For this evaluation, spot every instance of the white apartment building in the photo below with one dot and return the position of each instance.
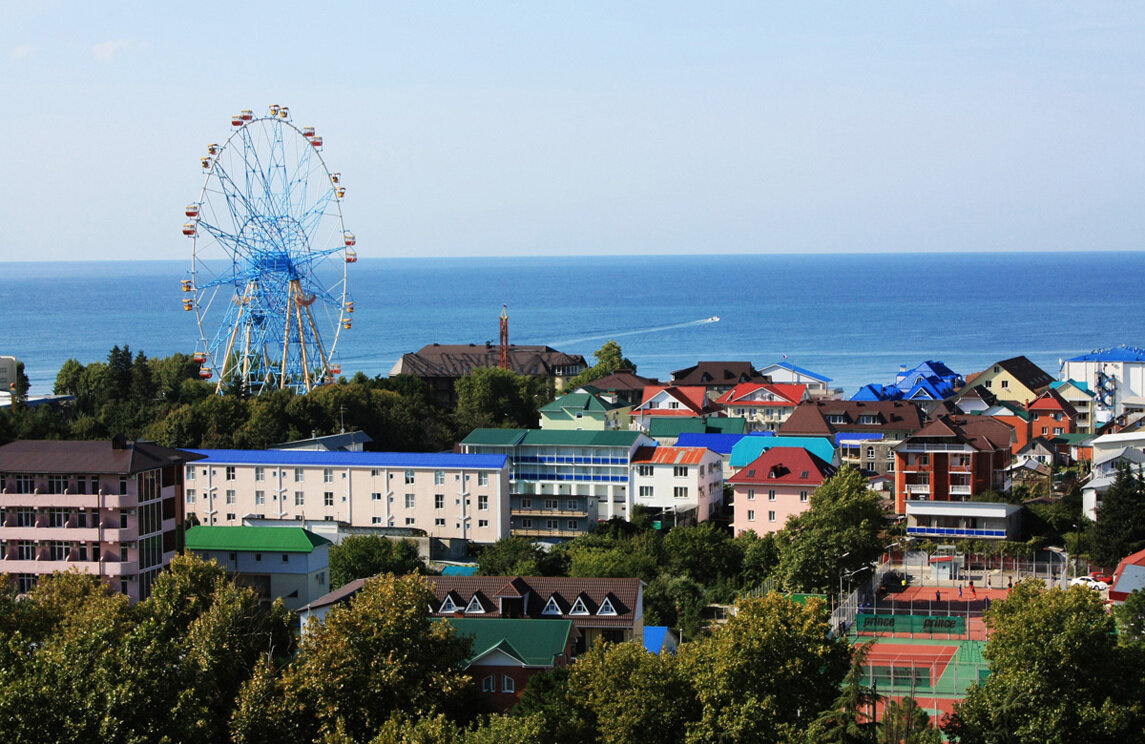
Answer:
(444, 494)
(683, 483)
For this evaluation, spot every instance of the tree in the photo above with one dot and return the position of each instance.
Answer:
(546, 700)
(631, 695)
(609, 360)
(675, 601)
(905, 722)
(705, 553)
(760, 557)
(495, 397)
(1056, 671)
(363, 556)
(1130, 617)
(766, 674)
(1120, 528)
(839, 532)
(68, 378)
(851, 719)
(513, 556)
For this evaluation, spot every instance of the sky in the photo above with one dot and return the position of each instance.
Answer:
(584, 128)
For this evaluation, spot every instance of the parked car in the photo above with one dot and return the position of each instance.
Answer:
(1091, 582)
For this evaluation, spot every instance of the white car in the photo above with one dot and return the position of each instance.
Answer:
(1091, 582)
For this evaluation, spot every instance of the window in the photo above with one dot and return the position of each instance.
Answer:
(606, 607)
(327, 475)
(870, 452)
(579, 607)
(673, 404)
(258, 557)
(299, 498)
(751, 494)
(482, 479)
(328, 498)
(439, 477)
(552, 503)
(570, 504)
(439, 501)
(321, 577)
(1057, 430)
(259, 498)
(572, 524)
(508, 684)
(123, 485)
(230, 496)
(890, 466)
(803, 497)
(751, 515)
(375, 520)
(375, 496)
(260, 473)
(410, 521)
(1005, 384)
(644, 470)
(190, 495)
(526, 523)
(771, 516)
(475, 607)
(482, 503)
(230, 517)
(375, 472)
(409, 477)
(230, 472)
(439, 521)
(552, 524)
(551, 607)
(771, 495)
(680, 492)
(680, 471)
(299, 475)
(190, 472)
(489, 684)
(526, 503)
(482, 522)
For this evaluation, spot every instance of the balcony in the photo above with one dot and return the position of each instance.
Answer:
(960, 490)
(955, 532)
(99, 568)
(541, 512)
(67, 500)
(542, 532)
(918, 488)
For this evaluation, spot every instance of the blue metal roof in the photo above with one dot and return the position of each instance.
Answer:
(459, 571)
(287, 458)
(654, 636)
(749, 449)
(800, 370)
(719, 443)
(1116, 354)
(875, 391)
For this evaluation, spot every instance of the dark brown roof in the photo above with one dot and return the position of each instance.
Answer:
(624, 595)
(810, 418)
(983, 433)
(1026, 372)
(338, 595)
(458, 360)
(99, 457)
(722, 374)
(619, 381)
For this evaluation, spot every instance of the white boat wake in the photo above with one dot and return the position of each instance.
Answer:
(640, 331)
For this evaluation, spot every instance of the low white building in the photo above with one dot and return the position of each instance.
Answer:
(684, 482)
(1106, 460)
(972, 520)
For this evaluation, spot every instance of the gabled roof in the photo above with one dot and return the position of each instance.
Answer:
(693, 400)
(622, 381)
(669, 455)
(343, 459)
(264, 539)
(799, 370)
(749, 448)
(763, 394)
(532, 643)
(328, 442)
(583, 402)
(624, 594)
(875, 391)
(811, 418)
(1023, 370)
(1052, 401)
(496, 437)
(1082, 386)
(978, 392)
(785, 466)
(717, 374)
(458, 360)
(340, 594)
(982, 433)
(114, 457)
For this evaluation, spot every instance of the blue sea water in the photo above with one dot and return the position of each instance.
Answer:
(854, 318)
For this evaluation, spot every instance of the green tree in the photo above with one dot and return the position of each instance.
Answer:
(1056, 672)
(840, 532)
(851, 719)
(363, 556)
(68, 378)
(609, 360)
(1130, 617)
(675, 601)
(766, 674)
(905, 722)
(495, 397)
(760, 557)
(546, 700)
(513, 556)
(1120, 528)
(704, 553)
(631, 695)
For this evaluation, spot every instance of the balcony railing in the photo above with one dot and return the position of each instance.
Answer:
(536, 511)
(918, 488)
(954, 532)
(961, 490)
(543, 532)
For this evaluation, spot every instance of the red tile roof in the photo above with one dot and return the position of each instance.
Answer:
(785, 466)
(1052, 401)
(693, 401)
(786, 394)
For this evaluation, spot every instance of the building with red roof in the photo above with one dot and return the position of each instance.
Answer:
(765, 406)
(667, 400)
(776, 486)
(1052, 415)
(1128, 578)
(681, 484)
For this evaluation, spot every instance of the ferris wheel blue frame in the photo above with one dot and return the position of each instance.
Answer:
(268, 278)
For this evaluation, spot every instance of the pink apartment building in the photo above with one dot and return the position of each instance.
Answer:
(776, 486)
(446, 495)
(109, 508)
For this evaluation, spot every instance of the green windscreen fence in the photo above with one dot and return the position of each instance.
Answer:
(917, 624)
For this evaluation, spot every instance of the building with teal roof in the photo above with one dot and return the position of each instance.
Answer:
(584, 411)
(288, 562)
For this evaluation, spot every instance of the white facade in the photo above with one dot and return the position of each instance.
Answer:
(696, 482)
(1129, 379)
(447, 495)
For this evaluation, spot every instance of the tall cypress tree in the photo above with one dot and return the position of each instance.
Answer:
(1120, 526)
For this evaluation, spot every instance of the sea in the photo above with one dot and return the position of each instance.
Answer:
(854, 318)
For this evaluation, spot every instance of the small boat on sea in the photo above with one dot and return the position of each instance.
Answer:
(714, 319)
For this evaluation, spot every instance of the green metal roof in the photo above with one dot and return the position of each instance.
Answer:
(557, 437)
(533, 642)
(1074, 438)
(501, 437)
(266, 539)
(579, 402)
(674, 426)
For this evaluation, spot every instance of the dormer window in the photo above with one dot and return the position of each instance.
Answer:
(474, 607)
(448, 606)
(579, 607)
(836, 418)
(673, 404)
(551, 607)
(803, 474)
(606, 607)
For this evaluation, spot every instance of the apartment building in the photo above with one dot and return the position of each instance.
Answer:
(682, 484)
(446, 495)
(775, 487)
(563, 482)
(111, 509)
(951, 459)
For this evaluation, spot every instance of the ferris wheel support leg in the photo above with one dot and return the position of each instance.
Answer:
(286, 340)
(227, 363)
(246, 360)
(321, 349)
(302, 347)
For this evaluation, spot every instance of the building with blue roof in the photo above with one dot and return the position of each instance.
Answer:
(748, 449)
(721, 444)
(442, 494)
(931, 380)
(1116, 376)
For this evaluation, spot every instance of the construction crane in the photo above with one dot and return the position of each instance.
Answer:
(504, 337)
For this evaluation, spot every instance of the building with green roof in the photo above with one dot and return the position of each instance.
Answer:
(505, 653)
(562, 481)
(584, 411)
(667, 429)
(288, 562)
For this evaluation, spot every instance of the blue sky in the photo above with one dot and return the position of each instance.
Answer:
(525, 128)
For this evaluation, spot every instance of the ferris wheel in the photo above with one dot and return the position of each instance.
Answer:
(270, 258)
